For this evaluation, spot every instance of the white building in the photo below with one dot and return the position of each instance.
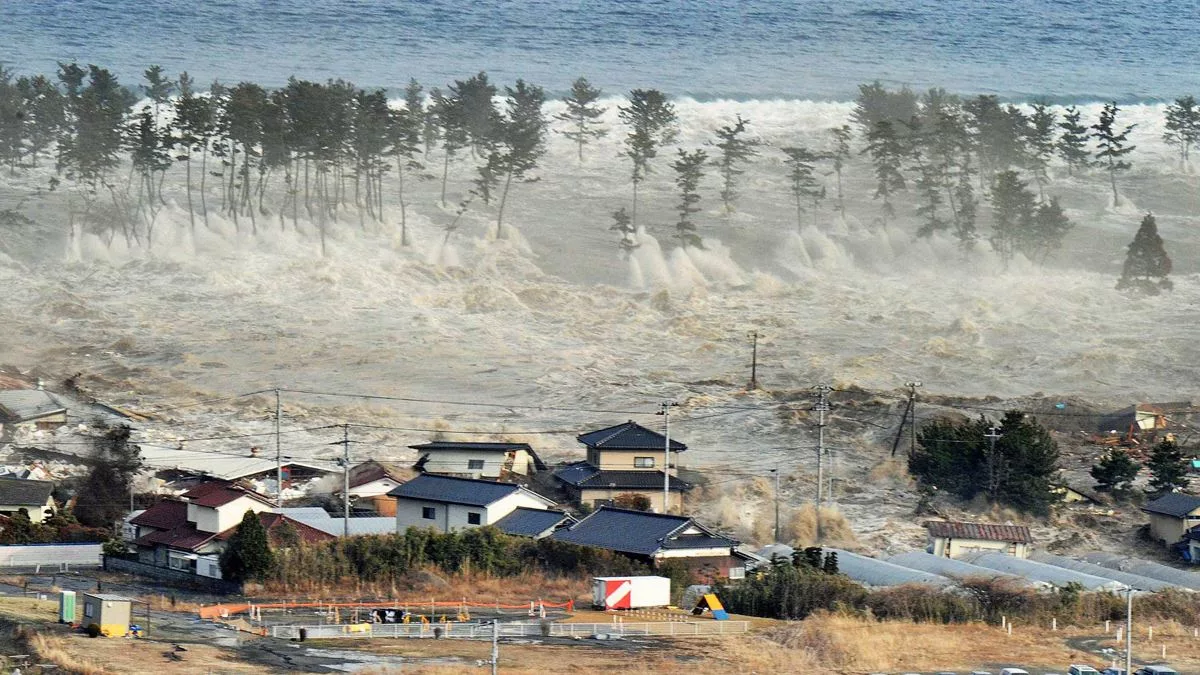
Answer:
(446, 503)
(477, 460)
(950, 539)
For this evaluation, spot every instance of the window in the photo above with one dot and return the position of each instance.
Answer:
(473, 518)
(737, 572)
(475, 465)
(643, 462)
(89, 610)
(428, 512)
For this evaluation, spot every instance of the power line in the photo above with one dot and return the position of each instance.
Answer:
(482, 404)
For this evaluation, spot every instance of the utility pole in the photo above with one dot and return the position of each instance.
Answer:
(1129, 630)
(345, 462)
(278, 453)
(993, 435)
(753, 362)
(666, 413)
(912, 425)
(776, 472)
(822, 407)
(495, 646)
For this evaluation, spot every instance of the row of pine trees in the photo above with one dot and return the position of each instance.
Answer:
(325, 149)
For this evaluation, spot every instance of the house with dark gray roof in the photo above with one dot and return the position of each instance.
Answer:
(36, 408)
(473, 459)
(625, 459)
(535, 523)
(1172, 516)
(31, 496)
(656, 538)
(447, 503)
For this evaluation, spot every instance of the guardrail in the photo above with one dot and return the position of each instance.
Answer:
(481, 631)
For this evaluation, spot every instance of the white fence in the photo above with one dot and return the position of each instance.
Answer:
(50, 557)
(511, 629)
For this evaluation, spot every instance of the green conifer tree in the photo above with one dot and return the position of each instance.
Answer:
(1115, 472)
(1072, 142)
(802, 183)
(1182, 126)
(840, 156)
(1146, 263)
(583, 115)
(652, 123)
(1112, 145)
(247, 555)
(733, 151)
(887, 152)
(689, 171)
(1168, 467)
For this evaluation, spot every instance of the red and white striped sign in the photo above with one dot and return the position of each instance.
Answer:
(618, 594)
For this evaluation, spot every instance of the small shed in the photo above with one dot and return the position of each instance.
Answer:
(952, 539)
(110, 614)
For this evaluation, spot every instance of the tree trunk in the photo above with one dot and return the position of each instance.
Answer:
(500, 210)
(403, 205)
(188, 180)
(445, 172)
(203, 182)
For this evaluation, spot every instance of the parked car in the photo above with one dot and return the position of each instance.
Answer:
(1076, 669)
(1156, 670)
(1013, 671)
(1113, 671)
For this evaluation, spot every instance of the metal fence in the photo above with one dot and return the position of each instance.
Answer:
(511, 629)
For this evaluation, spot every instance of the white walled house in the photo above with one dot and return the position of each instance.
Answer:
(949, 539)
(31, 496)
(477, 460)
(447, 503)
(625, 459)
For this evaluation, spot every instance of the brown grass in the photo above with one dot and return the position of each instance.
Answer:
(50, 648)
(801, 528)
(479, 589)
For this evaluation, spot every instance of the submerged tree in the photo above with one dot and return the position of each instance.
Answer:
(733, 150)
(451, 124)
(1168, 467)
(1012, 214)
(193, 122)
(887, 152)
(405, 136)
(998, 134)
(876, 104)
(1115, 472)
(521, 139)
(624, 224)
(689, 171)
(652, 123)
(1112, 145)
(582, 115)
(1072, 143)
(840, 155)
(1183, 126)
(801, 165)
(1042, 124)
(1147, 263)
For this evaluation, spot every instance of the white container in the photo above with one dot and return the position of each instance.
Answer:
(631, 592)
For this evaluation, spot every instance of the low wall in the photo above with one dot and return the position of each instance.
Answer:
(62, 557)
(175, 577)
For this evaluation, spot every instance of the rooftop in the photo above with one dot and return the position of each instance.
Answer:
(29, 404)
(218, 494)
(22, 492)
(164, 515)
(1176, 505)
(471, 445)
(584, 475)
(983, 531)
(185, 537)
(220, 467)
(373, 470)
(526, 522)
(628, 436)
(451, 490)
(638, 532)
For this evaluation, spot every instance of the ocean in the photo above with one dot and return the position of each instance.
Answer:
(753, 49)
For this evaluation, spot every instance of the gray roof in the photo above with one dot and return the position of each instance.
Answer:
(874, 572)
(451, 490)
(1037, 571)
(29, 404)
(1136, 581)
(980, 531)
(20, 492)
(471, 445)
(584, 475)
(1175, 505)
(526, 522)
(1146, 568)
(628, 436)
(638, 532)
(109, 597)
(954, 569)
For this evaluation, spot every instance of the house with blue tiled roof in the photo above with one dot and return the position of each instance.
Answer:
(625, 459)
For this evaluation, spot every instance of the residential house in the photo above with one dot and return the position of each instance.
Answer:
(534, 523)
(656, 538)
(447, 503)
(478, 460)
(1144, 421)
(625, 459)
(31, 496)
(188, 534)
(30, 408)
(1172, 516)
(950, 539)
(370, 483)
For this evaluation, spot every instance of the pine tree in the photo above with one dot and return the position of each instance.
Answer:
(1182, 126)
(998, 134)
(521, 139)
(875, 104)
(476, 97)
(1050, 225)
(1112, 145)
(887, 152)
(1147, 263)
(406, 130)
(451, 124)
(624, 224)
(247, 555)
(840, 156)
(1042, 124)
(652, 123)
(733, 150)
(43, 113)
(1115, 472)
(1168, 467)
(801, 164)
(13, 110)
(583, 115)
(689, 171)
(1072, 143)
(1012, 214)
(193, 121)
(964, 217)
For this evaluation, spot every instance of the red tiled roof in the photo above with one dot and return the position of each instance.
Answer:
(984, 531)
(271, 521)
(372, 470)
(219, 494)
(185, 537)
(164, 515)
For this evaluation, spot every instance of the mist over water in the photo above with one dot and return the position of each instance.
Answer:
(753, 49)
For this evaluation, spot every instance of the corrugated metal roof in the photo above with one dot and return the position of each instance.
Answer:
(628, 436)
(1039, 571)
(983, 531)
(224, 467)
(1175, 505)
(526, 522)
(109, 597)
(1146, 568)
(954, 569)
(628, 531)
(451, 490)
(24, 492)
(875, 572)
(1137, 581)
(29, 404)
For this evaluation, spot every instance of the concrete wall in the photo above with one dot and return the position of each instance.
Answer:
(449, 517)
(179, 578)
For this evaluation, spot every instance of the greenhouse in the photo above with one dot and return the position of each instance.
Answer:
(874, 572)
(1036, 571)
(955, 569)
(1136, 581)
